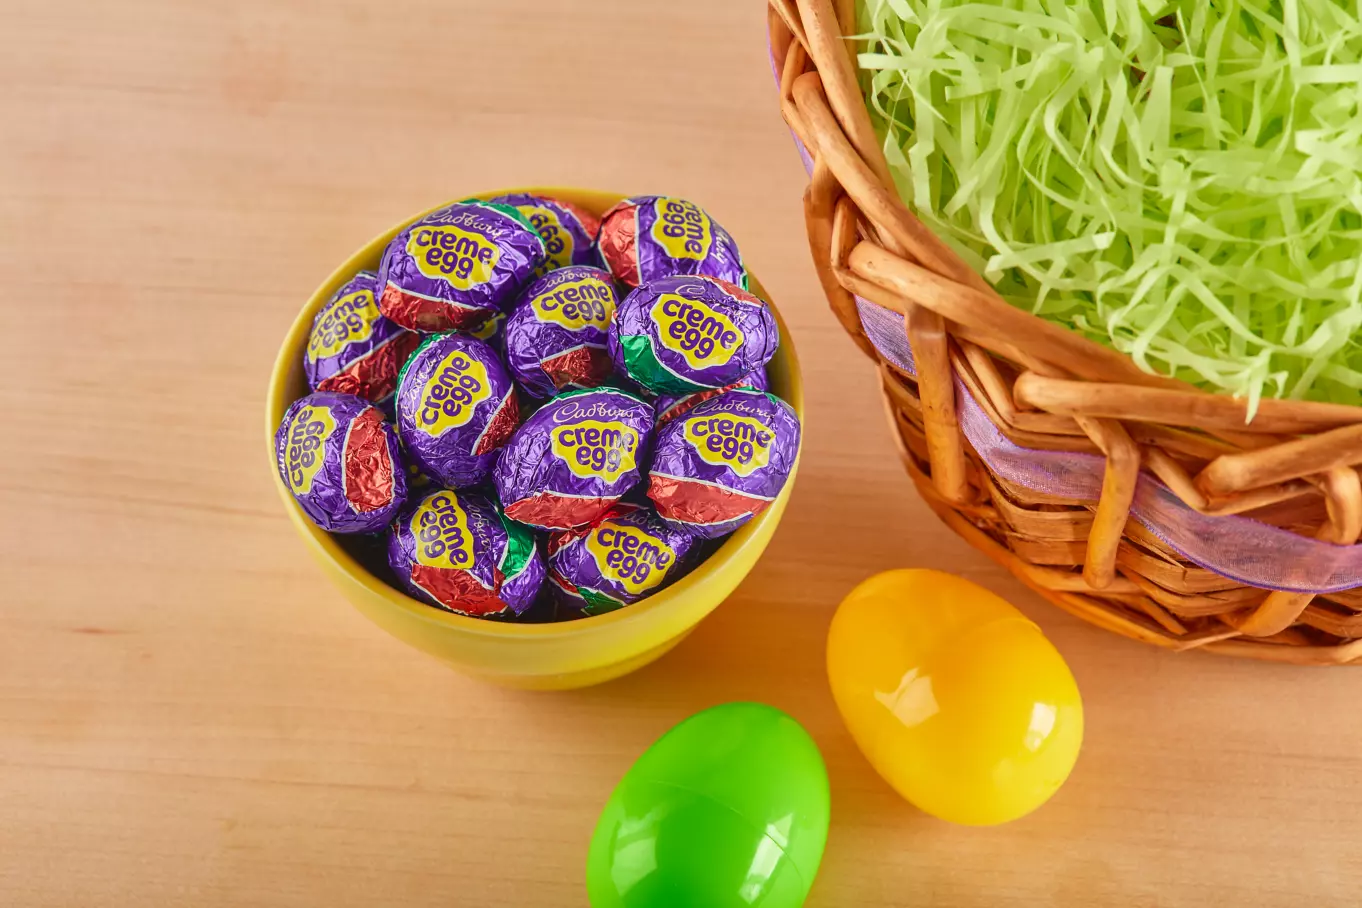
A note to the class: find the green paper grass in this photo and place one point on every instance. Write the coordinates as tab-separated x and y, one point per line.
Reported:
1178	180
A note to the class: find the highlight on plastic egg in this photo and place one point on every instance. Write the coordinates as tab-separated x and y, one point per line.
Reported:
729	809
957	699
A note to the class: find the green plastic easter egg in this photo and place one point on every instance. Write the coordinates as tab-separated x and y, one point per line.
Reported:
729	808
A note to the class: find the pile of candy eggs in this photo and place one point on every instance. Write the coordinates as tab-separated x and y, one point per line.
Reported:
537	414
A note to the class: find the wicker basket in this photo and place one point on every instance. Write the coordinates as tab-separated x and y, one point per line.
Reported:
1047	389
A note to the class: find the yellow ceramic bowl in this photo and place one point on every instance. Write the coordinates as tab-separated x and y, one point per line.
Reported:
570	654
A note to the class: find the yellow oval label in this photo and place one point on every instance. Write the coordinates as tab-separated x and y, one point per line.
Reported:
682	229
558	240
307	435
691	328
461	258
586	302
595	449
452	393
349	320
741	443
637	560
443	537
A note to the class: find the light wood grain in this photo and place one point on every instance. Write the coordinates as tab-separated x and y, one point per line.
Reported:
189	716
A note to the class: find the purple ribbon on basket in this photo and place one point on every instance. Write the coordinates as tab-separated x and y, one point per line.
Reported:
1244	550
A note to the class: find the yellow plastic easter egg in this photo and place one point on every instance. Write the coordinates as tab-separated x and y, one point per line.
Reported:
957	699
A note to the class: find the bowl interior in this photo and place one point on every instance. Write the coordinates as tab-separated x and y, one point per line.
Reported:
361	559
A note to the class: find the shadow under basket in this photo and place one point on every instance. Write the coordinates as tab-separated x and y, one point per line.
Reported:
1136	502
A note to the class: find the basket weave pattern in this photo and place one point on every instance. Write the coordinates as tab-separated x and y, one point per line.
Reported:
1047	388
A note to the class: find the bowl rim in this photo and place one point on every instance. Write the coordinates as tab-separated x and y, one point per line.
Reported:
277	402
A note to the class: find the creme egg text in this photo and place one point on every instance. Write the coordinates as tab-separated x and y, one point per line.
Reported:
303	457
557	240
682	229
452	393
638	560
463	258
593	448
349	320
702	335
577	304
443	537
741	443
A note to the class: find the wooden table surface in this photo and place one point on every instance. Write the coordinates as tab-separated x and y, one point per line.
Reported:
189	715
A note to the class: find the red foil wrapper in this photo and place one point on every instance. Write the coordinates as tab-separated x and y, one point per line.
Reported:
458	591
422	313
374	376
687	402
590	223
582	367
549	509
501	426
368	468
697	502
616	241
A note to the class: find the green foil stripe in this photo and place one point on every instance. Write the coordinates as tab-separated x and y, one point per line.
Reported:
519	548
598	603
643	366
511	212
402	373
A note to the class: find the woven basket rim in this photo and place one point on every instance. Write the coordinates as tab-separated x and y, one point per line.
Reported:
1293	465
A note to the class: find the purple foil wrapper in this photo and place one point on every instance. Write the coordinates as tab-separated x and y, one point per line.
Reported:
651	236
681	334
556	334
456	267
670	406
623	558
456	405
352	348
569	231
341	461
455	551
576	456
724	462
